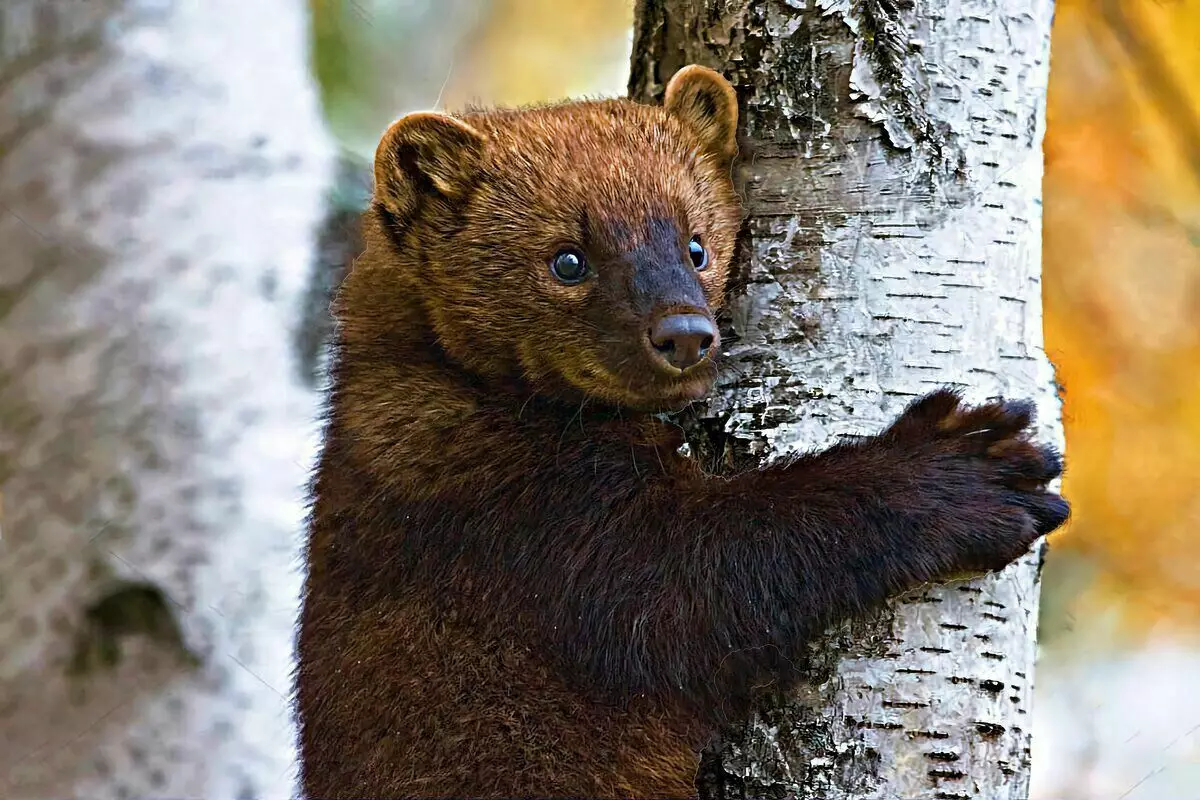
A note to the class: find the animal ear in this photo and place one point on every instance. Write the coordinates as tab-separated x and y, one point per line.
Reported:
707	104
425	153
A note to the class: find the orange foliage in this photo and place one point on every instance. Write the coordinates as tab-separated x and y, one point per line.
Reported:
1122	293
530	51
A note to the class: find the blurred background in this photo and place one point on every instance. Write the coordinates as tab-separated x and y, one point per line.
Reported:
1118	687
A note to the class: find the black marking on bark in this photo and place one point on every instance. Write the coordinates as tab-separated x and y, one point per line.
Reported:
816	760
886	36
649	46
879	726
988	729
723	775
904	704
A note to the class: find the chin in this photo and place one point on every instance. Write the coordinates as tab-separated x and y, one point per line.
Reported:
684	396
644	391
673	395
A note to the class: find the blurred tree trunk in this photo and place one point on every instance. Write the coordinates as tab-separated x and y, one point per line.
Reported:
892	175
161	170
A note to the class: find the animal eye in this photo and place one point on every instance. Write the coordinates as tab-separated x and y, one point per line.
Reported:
569	266
698	253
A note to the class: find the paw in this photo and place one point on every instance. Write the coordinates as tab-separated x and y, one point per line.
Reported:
986	476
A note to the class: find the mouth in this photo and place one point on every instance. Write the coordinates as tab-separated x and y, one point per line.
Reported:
647	387
679	400
673	392
657	395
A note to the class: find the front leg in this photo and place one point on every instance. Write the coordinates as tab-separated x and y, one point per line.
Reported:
638	575
703	588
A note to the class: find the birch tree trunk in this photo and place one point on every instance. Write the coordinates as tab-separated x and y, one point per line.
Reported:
162	165
892	176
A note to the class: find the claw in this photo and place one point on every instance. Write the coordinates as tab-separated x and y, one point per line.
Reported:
1023	465
926	412
1049	511
1023	408
991	423
1054	463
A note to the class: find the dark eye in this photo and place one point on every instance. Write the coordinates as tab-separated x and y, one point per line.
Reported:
698	253
569	266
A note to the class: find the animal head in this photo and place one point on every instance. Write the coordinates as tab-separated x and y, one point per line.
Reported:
583	246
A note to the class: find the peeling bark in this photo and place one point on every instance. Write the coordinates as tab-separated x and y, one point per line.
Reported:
891	171
162	166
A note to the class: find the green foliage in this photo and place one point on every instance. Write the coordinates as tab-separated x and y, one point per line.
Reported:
376	59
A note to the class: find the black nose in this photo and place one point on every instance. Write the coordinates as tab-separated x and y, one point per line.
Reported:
682	340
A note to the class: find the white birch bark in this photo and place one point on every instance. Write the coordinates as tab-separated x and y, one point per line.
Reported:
161	170
892	177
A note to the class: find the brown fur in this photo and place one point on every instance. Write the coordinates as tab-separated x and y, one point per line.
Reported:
517	586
